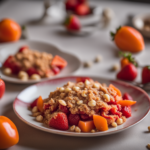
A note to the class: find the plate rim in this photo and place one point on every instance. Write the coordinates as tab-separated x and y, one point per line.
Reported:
59	132
4	45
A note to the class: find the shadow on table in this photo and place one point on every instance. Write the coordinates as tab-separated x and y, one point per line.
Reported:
36	139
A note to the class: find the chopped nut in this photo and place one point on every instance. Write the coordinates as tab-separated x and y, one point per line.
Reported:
114	124
39	118
61	89
107	97
67	89
22	74
7	71
36	114
148	146
84	94
24	78
34	109
62	102
87	82
77	129
88	64
80	102
96	85
148	128
92	103
75	88
35	77
72	128
119	121
93	131
115	67
98	58
108	13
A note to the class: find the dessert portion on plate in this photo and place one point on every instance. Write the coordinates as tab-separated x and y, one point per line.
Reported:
85	106
29	64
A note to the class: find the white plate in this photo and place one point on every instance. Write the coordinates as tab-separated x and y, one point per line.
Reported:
23	100
11	48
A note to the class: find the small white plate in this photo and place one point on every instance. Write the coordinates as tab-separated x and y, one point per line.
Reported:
23	100
11	48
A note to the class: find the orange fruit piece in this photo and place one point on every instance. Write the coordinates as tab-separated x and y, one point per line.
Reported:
128	39
116	89
8	133
100	123
40	104
126	102
9	31
86	126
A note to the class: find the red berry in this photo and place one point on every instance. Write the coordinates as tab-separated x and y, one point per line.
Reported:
63	109
15	67
86	117
128	73
2	88
73	23
82	1
23	48
59	121
71	4
82	10
34	103
126	111
127	96
146	74
73	119
46	106
32	71
8	61
55	69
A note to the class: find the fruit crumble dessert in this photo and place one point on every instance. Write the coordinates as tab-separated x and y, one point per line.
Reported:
84	106
28	64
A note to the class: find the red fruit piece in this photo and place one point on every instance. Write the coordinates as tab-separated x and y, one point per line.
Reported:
126	111
82	79
73	23
63	109
46	106
32	71
146	74
7	62
34	103
82	1
114	111
71	4
86	117
15	67
73	119
126	96
2	88
128	73
59	121
55	69
82	10
23	48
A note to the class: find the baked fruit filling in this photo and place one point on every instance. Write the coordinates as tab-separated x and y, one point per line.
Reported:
85	106
28	64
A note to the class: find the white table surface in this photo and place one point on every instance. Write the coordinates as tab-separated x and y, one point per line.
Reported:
86	48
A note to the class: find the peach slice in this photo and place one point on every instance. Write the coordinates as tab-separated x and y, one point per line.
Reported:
40	104
116	89
86	126
126	102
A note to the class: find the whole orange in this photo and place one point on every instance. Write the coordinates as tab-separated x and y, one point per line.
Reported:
9	30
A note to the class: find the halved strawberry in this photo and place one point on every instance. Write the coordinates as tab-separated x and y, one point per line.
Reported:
59	121
73	119
146	75
34	103
32	71
127	96
126	111
7	62
15	67
73	23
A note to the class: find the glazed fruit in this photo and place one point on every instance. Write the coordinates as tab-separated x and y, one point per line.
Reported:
146	75
8	133
9	30
126	111
73	23
126	102
86	126
128	39
82	10
63	109
128	73
59	121
34	103
2	88
73	119
127	96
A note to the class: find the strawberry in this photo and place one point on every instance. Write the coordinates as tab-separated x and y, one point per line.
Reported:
59	121
82	10
146	74
63	109
23	48
32	71
15	67
129	73
73	23
86	117
127	96
126	111
34	103
82	79
71	4
82	1
7	62
55	69
73	119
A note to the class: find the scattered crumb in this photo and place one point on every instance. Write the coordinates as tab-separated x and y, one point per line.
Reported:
98	58
88	64
115	67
